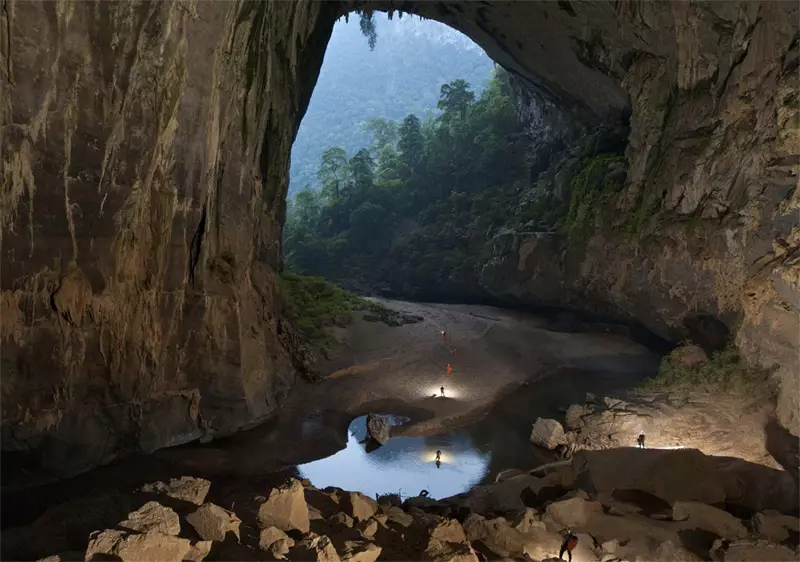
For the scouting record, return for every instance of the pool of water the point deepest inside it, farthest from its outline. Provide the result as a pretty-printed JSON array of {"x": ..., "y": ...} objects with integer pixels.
[{"x": 404, "y": 465}]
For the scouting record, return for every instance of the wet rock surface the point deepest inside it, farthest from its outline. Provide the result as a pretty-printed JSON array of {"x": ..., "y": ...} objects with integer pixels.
[{"x": 608, "y": 526}]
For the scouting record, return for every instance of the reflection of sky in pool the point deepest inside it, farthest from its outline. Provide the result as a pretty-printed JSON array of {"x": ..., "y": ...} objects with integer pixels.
[{"x": 405, "y": 464}]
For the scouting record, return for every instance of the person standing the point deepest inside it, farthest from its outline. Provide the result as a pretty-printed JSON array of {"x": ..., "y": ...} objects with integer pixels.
[
  {"x": 640, "y": 440},
  {"x": 442, "y": 390},
  {"x": 569, "y": 544}
]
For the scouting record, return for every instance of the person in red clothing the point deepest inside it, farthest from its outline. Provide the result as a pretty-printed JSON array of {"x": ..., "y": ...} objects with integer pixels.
[
  {"x": 569, "y": 544},
  {"x": 449, "y": 369}
]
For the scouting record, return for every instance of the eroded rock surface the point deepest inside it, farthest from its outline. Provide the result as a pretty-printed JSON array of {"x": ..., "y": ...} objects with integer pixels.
[{"x": 146, "y": 149}]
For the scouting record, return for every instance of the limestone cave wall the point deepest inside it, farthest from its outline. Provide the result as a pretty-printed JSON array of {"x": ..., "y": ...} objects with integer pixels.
[{"x": 145, "y": 156}]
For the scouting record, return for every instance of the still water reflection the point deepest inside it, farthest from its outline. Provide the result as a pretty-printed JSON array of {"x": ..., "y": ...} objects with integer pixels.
[{"x": 405, "y": 464}]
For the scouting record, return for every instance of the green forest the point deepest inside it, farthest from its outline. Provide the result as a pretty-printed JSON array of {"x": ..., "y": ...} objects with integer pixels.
[
  {"x": 420, "y": 202},
  {"x": 411, "y": 58}
]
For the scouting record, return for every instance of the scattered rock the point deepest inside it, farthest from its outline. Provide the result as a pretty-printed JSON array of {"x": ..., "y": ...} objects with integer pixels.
[
  {"x": 361, "y": 551},
  {"x": 775, "y": 527},
  {"x": 750, "y": 551},
  {"x": 448, "y": 530},
  {"x": 213, "y": 523},
  {"x": 397, "y": 515},
  {"x": 198, "y": 551},
  {"x": 573, "y": 512},
  {"x": 610, "y": 546},
  {"x": 315, "y": 548},
  {"x": 136, "y": 547},
  {"x": 285, "y": 508},
  {"x": 576, "y": 414},
  {"x": 359, "y": 506},
  {"x": 153, "y": 517},
  {"x": 528, "y": 521},
  {"x": 548, "y": 434},
  {"x": 342, "y": 519},
  {"x": 379, "y": 428},
  {"x": 442, "y": 551},
  {"x": 186, "y": 488},
  {"x": 709, "y": 518},
  {"x": 314, "y": 514},
  {"x": 496, "y": 534},
  {"x": 669, "y": 552},
  {"x": 275, "y": 541},
  {"x": 368, "y": 528}
]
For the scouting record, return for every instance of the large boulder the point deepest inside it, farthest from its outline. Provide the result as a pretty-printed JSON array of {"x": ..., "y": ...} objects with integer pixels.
[
  {"x": 497, "y": 534},
  {"x": 213, "y": 523},
  {"x": 548, "y": 434},
  {"x": 275, "y": 541},
  {"x": 573, "y": 512},
  {"x": 285, "y": 508},
  {"x": 378, "y": 427},
  {"x": 775, "y": 527},
  {"x": 359, "y": 506},
  {"x": 185, "y": 488},
  {"x": 136, "y": 547},
  {"x": 689, "y": 355},
  {"x": 709, "y": 518},
  {"x": 315, "y": 548},
  {"x": 153, "y": 517},
  {"x": 360, "y": 551},
  {"x": 448, "y": 530},
  {"x": 443, "y": 551},
  {"x": 750, "y": 551},
  {"x": 672, "y": 475}
]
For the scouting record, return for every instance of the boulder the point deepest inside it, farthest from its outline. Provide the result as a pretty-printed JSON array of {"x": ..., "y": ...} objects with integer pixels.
[
  {"x": 275, "y": 541},
  {"x": 153, "y": 517},
  {"x": 528, "y": 521},
  {"x": 185, "y": 488},
  {"x": 341, "y": 519},
  {"x": 775, "y": 527},
  {"x": 672, "y": 475},
  {"x": 548, "y": 434},
  {"x": 668, "y": 551},
  {"x": 315, "y": 548},
  {"x": 136, "y": 547},
  {"x": 378, "y": 428},
  {"x": 359, "y": 506},
  {"x": 496, "y": 534},
  {"x": 573, "y": 512},
  {"x": 360, "y": 551},
  {"x": 369, "y": 527},
  {"x": 750, "y": 551},
  {"x": 448, "y": 530},
  {"x": 285, "y": 508},
  {"x": 689, "y": 355},
  {"x": 213, "y": 523},
  {"x": 198, "y": 551},
  {"x": 397, "y": 515},
  {"x": 709, "y": 518},
  {"x": 576, "y": 414},
  {"x": 442, "y": 551},
  {"x": 610, "y": 546}
]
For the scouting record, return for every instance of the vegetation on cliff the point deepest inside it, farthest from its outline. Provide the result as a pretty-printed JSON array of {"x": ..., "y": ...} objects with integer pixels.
[{"x": 725, "y": 371}]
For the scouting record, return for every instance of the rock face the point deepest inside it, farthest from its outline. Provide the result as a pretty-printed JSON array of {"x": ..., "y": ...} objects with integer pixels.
[
  {"x": 547, "y": 433},
  {"x": 285, "y": 508},
  {"x": 213, "y": 523},
  {"x": 378, "y": 428},
  {"x": 145, "y": 173}
]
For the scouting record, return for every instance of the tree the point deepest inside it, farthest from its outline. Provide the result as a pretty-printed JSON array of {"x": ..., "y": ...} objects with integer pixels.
[
  {"x": 410, "y": 143},
  {"x": 388, "y": 164},
  {"x": 383, "y": 131},
  {"x": 333, "y": 172},
  {"x": 455, "y": 98},
  {"x": 362, "y": 170}
]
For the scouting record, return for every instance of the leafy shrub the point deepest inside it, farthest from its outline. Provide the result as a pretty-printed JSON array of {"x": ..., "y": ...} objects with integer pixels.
[{"x": 726, "y": 371}]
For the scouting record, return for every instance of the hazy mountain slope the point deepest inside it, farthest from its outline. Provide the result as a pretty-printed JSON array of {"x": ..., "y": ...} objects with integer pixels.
[{"x": 411, "y": 60}]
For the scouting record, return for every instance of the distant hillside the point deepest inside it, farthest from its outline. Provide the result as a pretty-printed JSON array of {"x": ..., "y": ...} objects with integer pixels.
[{"x": 411, "y": 60}]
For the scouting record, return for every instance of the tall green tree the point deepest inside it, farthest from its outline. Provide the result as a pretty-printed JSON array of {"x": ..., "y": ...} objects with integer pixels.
[
  {"x": 383, "y": 132},
  {"x": 455, "y": 98},
  {"x": 333, "y": 172},
  {"x": 410, "y": 141},
  {"x": 362, "y": 170}
]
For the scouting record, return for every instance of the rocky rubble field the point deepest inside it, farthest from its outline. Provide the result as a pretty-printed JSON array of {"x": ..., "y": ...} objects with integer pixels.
[{"x": 623, "y": 504}]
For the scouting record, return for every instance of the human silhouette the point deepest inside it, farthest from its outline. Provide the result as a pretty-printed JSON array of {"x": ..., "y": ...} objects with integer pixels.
[
  {"x": 449, "y": 369},
  {"x": 442, "y": 390},
  {"x": 640, "y": 440},
  {"x": 438, "y": 454},
  {"x": 438, "y": 464}
]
